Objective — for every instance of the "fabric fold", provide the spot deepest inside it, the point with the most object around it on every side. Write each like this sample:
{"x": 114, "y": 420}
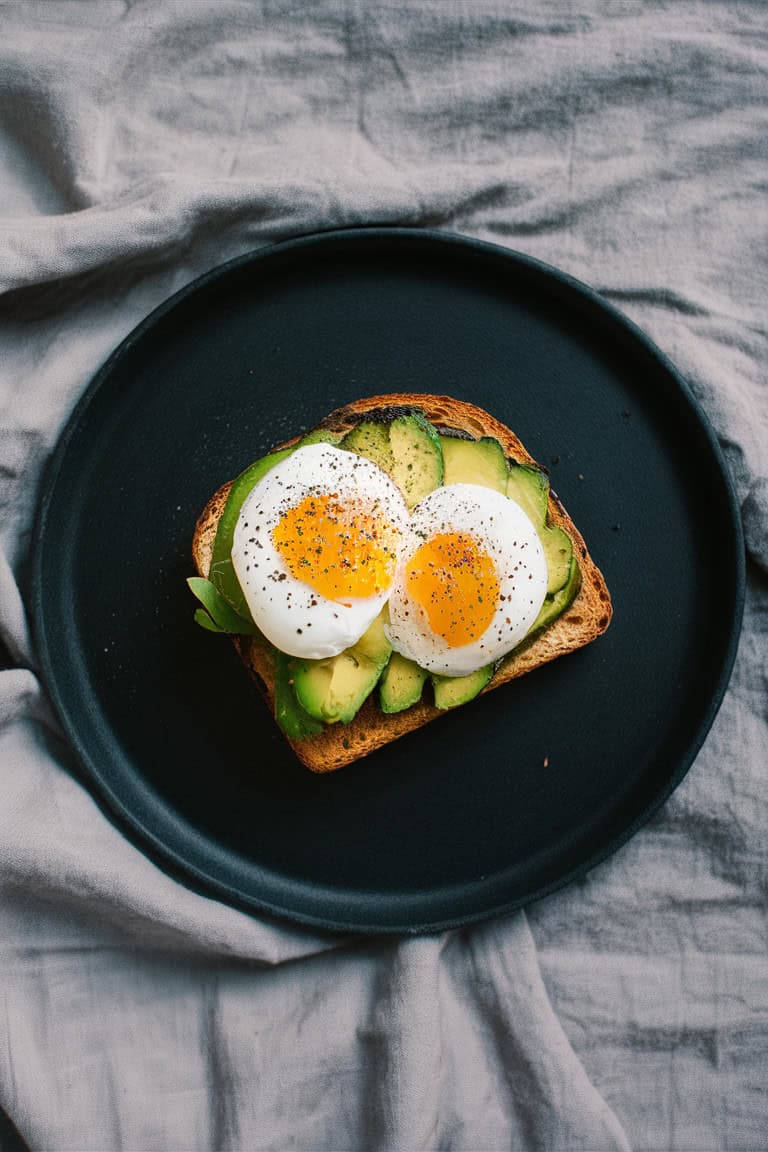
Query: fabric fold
{"x": 142, "y": 144}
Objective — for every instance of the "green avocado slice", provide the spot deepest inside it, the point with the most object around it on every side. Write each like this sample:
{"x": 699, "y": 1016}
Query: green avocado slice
{"x": 558, "y": 552}
{"x": 407, "y": 449}
{"x": 450, "y": 691}
{"x": 333, "y": 690}
{"x": 371, "y": 439}
{"x": 554, "y": 605}
{"x": 418, "y": 457}
{"x": 474, "y": 462}
{"x": 529, "y": 487}
{"x": 294, "y": 721}
{"x": 401, "y": 684}
{"x": 320, "y": 436}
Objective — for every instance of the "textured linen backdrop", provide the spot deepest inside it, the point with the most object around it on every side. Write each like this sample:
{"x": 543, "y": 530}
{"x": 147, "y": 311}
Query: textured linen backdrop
{"x": 143, "y": 143}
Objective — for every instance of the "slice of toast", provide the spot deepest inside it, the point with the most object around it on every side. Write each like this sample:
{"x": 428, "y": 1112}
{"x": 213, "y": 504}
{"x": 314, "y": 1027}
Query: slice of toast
{"x": 588, "y": 616}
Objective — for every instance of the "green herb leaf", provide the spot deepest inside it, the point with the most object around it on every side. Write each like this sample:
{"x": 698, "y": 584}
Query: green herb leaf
{"x": 202, "y": 618}
{"x": 221, "y": 615}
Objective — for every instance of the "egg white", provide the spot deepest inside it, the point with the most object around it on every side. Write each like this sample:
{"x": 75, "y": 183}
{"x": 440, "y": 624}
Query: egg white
{"x": 291, "y": 614}
{"x": 507, "y": 535}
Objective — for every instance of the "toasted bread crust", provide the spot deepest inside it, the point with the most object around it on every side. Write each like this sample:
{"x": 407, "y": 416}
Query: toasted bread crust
{"x": 588, "y": 616}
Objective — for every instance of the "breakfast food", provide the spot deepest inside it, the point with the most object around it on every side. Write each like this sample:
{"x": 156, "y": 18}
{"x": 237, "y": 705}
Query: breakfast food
{"x": 315, "y": 547}
{"x": 402, "y": 558}
{"x": 471, "y": 581}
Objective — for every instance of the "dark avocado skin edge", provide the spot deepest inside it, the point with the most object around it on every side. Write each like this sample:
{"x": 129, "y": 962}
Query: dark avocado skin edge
{"x": 385, "y": 415}
{"x": 454, "y": 433}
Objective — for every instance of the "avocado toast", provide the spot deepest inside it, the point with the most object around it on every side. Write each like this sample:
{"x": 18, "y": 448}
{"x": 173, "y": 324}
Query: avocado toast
{"x": 336, "y": 711}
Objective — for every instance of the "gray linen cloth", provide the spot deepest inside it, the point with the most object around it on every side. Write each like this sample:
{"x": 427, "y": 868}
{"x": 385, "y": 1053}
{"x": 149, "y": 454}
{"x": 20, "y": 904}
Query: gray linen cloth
{"x": 143, "y": 143}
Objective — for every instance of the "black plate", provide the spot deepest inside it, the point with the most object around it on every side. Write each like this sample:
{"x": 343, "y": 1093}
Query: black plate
{"x": 462, "y": 819}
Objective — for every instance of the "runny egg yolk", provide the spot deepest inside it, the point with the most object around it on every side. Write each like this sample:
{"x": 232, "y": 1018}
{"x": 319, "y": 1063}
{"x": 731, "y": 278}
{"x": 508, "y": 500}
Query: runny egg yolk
{"x": 338, "y": 549}
{"x": 455, "y": 582}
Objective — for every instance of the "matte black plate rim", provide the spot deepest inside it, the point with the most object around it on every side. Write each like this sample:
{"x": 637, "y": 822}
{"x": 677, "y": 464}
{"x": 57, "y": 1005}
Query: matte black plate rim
{"x": 182, "y": 868}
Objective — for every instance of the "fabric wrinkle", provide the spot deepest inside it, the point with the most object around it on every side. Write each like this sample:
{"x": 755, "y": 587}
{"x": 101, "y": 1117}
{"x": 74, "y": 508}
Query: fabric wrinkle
{"x": 141, "y": 145}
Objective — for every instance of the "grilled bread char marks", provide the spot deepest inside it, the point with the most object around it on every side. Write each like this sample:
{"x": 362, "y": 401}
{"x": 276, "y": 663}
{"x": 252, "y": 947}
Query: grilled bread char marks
{"x": 588, "y": 616}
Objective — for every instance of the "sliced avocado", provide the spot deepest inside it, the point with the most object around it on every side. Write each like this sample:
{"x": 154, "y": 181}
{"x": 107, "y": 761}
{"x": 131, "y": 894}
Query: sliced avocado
{"x": 401, "y": 684}
{"x": 222, "y": 574}
{"x": 319, "y": 436}
{"x": 371, "y": 440}
{"x": 529, "y": 487}
{"x": 407, "y": 448}
{"x": 450, "y": 691}
{"x": 556, "y": 604}
{"x": 374, "y": 644}
{"x": 558, "y": 551}
{"x": 334, "y": 689}
{"x": 294, "y": 721}
{"x": 418, "y": 457}
{"x": 474, "y": 462}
